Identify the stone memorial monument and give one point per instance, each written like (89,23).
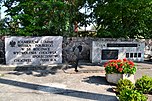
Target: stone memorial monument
(106,50)
(33,50)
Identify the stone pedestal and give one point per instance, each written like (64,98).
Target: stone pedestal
(114,78)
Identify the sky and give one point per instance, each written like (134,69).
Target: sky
(2,12)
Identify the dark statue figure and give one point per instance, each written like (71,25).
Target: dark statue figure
(77,51)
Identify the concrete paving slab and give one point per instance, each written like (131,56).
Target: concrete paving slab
(61,86)
(56,83)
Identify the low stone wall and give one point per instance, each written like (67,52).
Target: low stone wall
(2,50)
(70,45)
(148,49)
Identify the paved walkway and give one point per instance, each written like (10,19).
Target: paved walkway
(69,86)
(89,84)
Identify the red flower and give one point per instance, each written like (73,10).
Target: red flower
(121,64)
(113,61)
(124,59)
(111,64)
(119,60)
(116,66)
(105,64)
(120,69)
(131,66)
(110,60)
(131,63)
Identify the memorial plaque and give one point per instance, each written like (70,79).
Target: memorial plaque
(109,54)
(33,50)
(121,45)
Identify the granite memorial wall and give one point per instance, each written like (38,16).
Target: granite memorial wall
(33,50)
(69,46)
(106,50)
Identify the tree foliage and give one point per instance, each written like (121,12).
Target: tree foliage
(41,17)
(112,18)
(122,18)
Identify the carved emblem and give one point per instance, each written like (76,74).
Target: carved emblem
(12,43)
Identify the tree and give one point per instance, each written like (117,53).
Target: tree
(41,17)
(111,18)
(122,18)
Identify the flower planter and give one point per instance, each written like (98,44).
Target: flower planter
(115,77)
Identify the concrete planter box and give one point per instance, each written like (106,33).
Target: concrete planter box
(114,78)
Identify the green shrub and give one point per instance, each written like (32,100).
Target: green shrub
(144,84)
(131,95)
(124,84)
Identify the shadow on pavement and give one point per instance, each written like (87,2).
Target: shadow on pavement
(97,80)
(38,71)
(60,91)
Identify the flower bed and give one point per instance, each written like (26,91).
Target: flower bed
(120,66)
(119,69)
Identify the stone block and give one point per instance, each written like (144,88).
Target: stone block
(114,78)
